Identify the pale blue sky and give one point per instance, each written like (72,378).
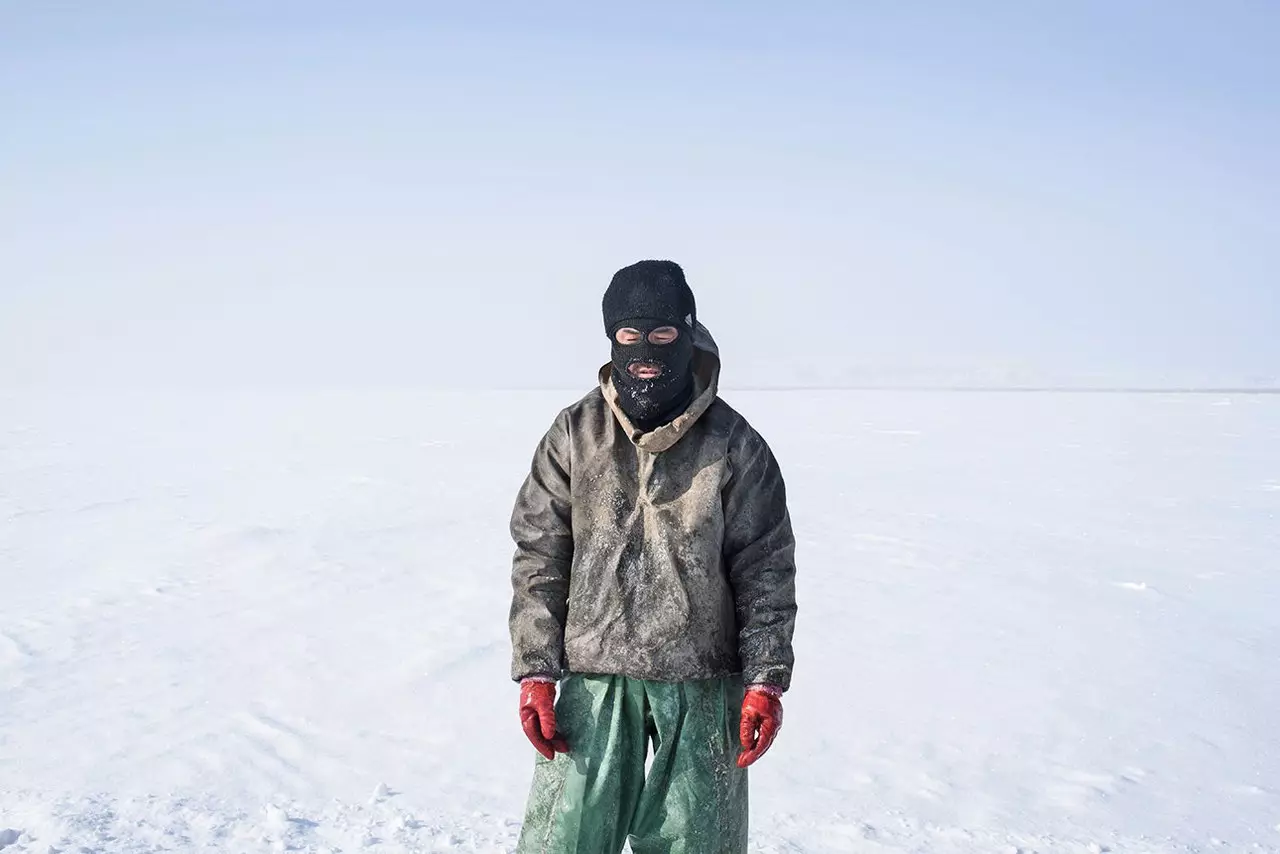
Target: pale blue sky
(365,193)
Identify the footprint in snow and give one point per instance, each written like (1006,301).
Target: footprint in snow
(9,836)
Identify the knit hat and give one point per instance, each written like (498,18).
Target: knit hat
(650,290)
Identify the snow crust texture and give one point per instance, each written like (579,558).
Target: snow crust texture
(277,622)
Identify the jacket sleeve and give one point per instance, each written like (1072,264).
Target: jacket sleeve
(759,552)
(541,525)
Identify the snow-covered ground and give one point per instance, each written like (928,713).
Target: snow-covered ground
(259,622)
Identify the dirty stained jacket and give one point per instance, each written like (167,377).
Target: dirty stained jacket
(665,555)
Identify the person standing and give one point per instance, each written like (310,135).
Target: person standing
(654,582)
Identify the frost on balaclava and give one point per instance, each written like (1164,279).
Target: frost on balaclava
(645,297)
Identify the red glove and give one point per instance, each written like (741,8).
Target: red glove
(761,720)
(538,716)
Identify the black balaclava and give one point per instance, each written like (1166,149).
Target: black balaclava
(644,297)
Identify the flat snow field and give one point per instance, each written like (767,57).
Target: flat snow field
(264,622)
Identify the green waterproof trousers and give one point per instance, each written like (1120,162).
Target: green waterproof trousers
(692,799)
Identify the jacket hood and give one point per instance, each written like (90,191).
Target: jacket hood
(706,382)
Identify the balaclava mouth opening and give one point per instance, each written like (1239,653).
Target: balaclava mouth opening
(647,296)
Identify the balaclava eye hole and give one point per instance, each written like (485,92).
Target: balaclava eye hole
(647,334)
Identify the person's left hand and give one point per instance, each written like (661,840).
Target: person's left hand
(761,720)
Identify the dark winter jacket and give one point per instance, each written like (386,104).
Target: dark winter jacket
(665,555)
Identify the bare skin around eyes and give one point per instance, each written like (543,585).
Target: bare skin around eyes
(662,335)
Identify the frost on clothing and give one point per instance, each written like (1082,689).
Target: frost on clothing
(645,297)
(665,555)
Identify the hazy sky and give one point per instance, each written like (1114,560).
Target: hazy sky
(436,194)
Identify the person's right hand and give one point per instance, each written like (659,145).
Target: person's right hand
(538,716)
